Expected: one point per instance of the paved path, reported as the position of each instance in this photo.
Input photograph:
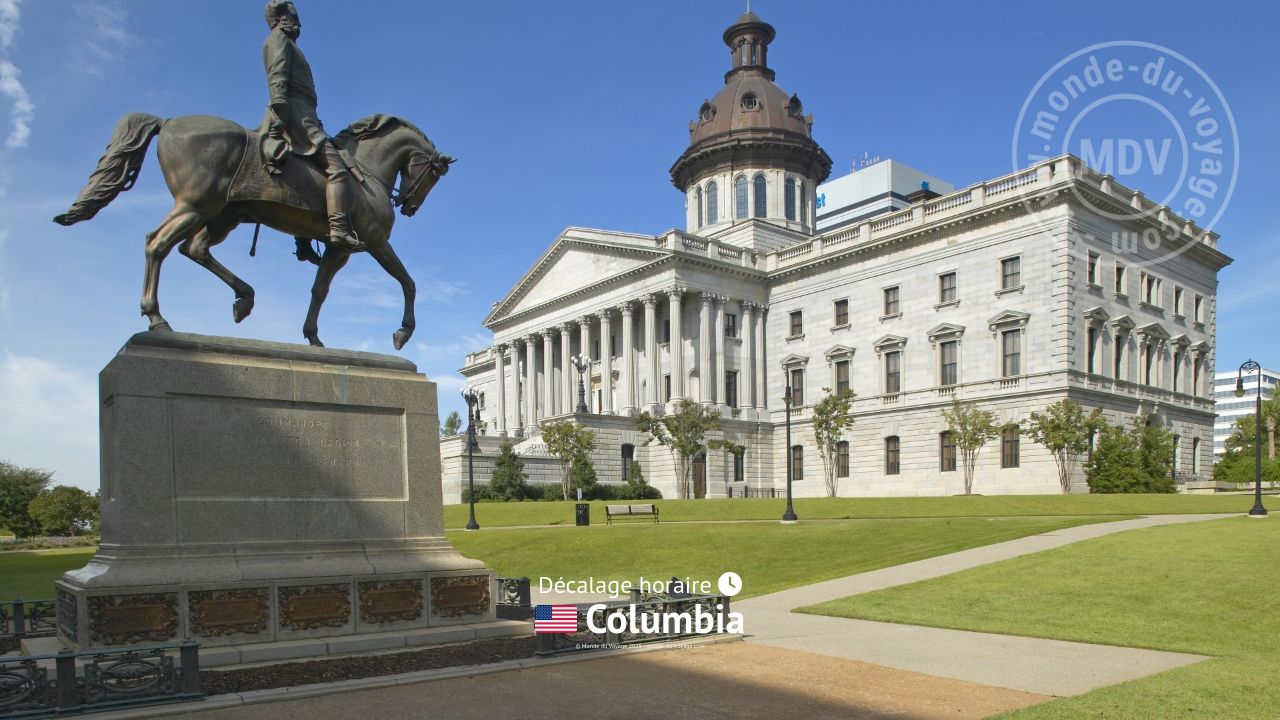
(1050, 667)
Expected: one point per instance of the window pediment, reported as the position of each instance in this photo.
(1122, 323)
(945, 331)
(889, 343)
(1008, 320)
(1096, 315)
(839, 352)
(1153, 331)
(794, 360)
(1180, 341)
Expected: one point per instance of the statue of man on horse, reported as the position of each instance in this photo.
(293, 126)
(221, 175)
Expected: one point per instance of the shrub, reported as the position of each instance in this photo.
(1137, 460)
(484, 493)
(508, 480)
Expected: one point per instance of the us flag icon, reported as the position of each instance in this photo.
(555, 619)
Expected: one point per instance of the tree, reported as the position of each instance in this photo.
(1064, 430)
(18, 487)
(583, 476)
(508, 479)
(636, 488)
(64, 510)
(831, 418)
(452, 425)
(970, 428)
(569, 442)
(684, 434)
(1133, 460)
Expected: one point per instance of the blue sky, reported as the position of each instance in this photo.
(561, 113)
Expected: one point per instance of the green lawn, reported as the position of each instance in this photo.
(561, 513)
(29, 574)
(768, 556)
(1204, 588)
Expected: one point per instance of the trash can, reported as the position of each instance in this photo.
(582, 514)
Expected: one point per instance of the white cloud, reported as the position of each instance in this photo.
(8, 22)
(22, 111)
(104, 40)
(4, 287)
(49, 419)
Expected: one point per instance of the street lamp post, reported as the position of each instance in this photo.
(582, 364)
(472, 399)
(1258, 510)
(790, 515)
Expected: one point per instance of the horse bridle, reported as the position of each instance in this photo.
(402, 195)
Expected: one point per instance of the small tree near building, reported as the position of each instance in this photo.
(1064, 430)
(831, 418)
(684, 434)
(971, 428)
(508, 479)
(1133, 460)
(452, 425)
(569, 442)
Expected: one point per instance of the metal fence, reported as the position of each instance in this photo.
(750, 492)
(585, 640)
(513, 598)
(110, 679)
(28, 618)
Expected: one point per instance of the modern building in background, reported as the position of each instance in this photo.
(908, 291)
(1228, 408)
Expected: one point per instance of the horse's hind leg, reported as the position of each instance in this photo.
(178, 226)
(197, 248)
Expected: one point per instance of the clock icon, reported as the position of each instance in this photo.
(730, 584)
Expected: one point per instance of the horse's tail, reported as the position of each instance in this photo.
(117, 169)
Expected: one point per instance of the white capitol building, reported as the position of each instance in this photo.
(886, 281)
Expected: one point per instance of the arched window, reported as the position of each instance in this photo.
(713, 203)
(740, 198)
(892, 455)
(628, 456)
(789, 198)
(761, 204)
(842, 459)
(697, 193)
(804, 204)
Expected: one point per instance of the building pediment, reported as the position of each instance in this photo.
(574, 263)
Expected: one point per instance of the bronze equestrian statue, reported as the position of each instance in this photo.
(221, 174)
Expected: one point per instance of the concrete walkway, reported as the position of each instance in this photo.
(1048, 667)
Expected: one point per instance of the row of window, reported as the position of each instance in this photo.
(1009, 454)
(1150, 289)
(750, 195)
(1148, 357)
(1010, 279)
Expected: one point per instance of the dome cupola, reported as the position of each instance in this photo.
(751, 152)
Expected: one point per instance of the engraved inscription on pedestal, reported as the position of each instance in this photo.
(306, 607)
(390, 601)
(453, 597)
(219, 613)
(264, 450)
(67, 621)
(124, 619)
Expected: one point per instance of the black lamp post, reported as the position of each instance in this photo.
(790, 515)
(582, 364)
(1249, 365)
(472, 399)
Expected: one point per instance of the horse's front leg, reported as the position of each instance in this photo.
(387, 258)
(332, 262)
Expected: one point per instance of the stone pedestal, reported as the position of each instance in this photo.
(257, 492)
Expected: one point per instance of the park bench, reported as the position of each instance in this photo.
(612, 511)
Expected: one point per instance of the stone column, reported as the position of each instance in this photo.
(721, 401)
(628, 380)
(704, 350)
(747, 362)
(651, 352)
(606, 361)
(548, 388)
(530, 383)
(676, 346)
(758, 376)
(584, 349)
(566, 372)
(499, 367)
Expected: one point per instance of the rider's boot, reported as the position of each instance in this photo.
(335, 194)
